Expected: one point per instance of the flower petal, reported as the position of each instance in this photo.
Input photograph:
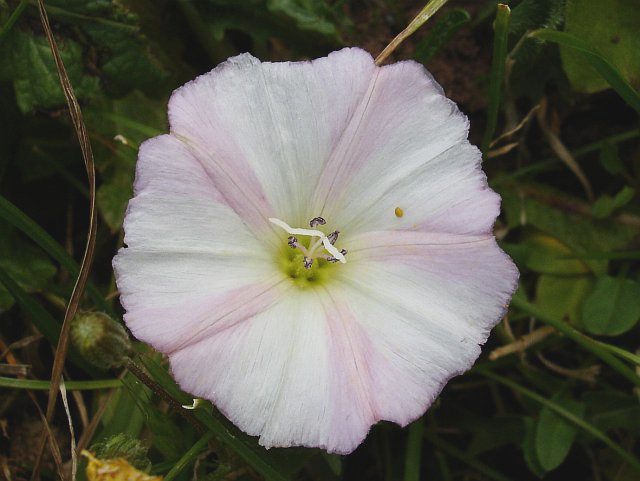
(319, 367)
(190, 257)
(426, 303)
(267, 129)
(405, 123)
(447, 193)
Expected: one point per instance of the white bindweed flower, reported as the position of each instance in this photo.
(311, 246)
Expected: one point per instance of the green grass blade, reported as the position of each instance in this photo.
(454, 452)
(414, 451)
(569, 416)
(189, 456)
(621, 353)
(585, 341)
(496, 81)
(40, 317)
(607, 70)
(24, 223)
(37, 385)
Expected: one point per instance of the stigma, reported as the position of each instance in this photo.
(320, 245)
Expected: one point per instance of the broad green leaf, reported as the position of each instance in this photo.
(610, 410)
(494, 432)
(546, 254)
(607, 71)
(554, 434)
(557, 214)
(562, 296)
(312, 15)
(607, 205)
(611, 28)
(125, 58)
(613, 307)
(28, 57)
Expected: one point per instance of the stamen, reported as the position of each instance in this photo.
(333, 237)
(316, 221)
(292, 241)
(335, 253)
(307, 262)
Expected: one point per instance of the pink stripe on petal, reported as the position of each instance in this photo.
(175, 327)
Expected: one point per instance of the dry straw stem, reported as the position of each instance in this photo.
(85, 267)
(522, 343)
(425, 14)
(561, 151)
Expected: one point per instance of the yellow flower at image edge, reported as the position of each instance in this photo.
(114, 470)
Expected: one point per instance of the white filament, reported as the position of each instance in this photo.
(312, 233)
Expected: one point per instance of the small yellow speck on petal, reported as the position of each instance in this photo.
(114, 470)
(399, 212)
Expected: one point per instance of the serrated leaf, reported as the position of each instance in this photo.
(554, 434)
(30, 66)
(614, 35)
(613, 307)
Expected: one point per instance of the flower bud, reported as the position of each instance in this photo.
(123, 446)
(99, 339)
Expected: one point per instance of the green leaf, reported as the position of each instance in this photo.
(496, 80)
(533, 14)
(529, 448)
(494, 432)
(613, 307)
(126, 59)
(610, 28)
(609, 410)
(607, 205)
(28, 57)
(26, 264)
(22, 222)
(558, 215)
(606, 70)
(554, 434)
(440, 34)
(135, 118)
(562, 296)
(311, 15)
(547, 255)
(610, 159)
